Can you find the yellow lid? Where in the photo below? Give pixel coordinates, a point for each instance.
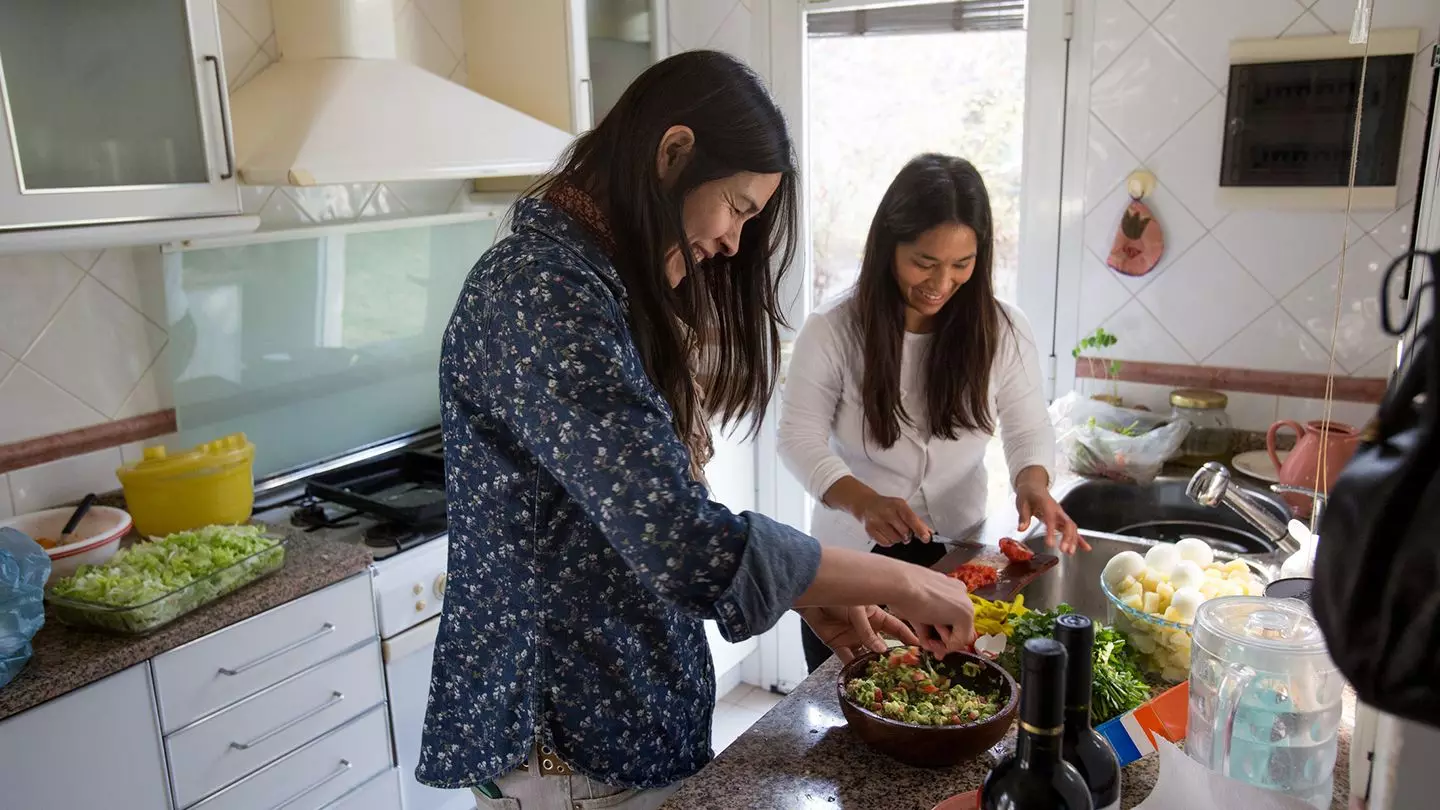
(201, 459)
(1198, 399)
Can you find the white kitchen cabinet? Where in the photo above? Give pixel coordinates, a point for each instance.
(564, 62)
(112, 112)
(107, 734)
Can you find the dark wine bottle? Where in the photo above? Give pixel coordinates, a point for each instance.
(1081, 745)
(1035, 777)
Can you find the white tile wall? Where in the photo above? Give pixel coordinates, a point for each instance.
(1248, 289)
(82, 337)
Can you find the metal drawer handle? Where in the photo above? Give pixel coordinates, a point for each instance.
(224, 118)
(335, 697)
(325, 630)
(316, 785)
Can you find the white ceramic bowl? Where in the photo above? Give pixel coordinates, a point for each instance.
(99, 535)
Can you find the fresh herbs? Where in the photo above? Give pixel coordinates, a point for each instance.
(1097, 342)
(1118, 684)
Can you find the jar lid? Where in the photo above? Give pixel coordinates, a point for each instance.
(1261, 632)
(201, 459)
(1198, 399)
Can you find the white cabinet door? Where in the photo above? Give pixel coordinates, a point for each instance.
(106, 734)
(112, 112)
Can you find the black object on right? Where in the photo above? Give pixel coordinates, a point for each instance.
(1081, 745)
(1035, 777)
(1374, 594)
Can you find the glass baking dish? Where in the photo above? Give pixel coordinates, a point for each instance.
(135, 620)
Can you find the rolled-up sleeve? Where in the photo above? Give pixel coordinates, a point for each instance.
(1025, 428)
(557, 366)
(813, 386)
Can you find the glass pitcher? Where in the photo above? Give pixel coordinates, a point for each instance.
(1264, 696)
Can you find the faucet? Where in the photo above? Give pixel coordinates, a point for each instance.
(1211, 486)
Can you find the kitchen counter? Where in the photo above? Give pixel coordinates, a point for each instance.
(67, 658)
(802, 755)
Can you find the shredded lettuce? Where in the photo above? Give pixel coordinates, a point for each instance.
(152, 583)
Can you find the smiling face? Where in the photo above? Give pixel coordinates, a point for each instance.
(930, 269)
(715, 211)
(714, 214)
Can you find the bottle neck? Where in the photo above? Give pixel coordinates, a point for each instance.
(1078, 675)
(1038, 748)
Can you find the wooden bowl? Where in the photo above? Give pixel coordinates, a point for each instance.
(934, 746)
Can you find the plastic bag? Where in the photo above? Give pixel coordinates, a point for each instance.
(1099, 439)
(24, 567)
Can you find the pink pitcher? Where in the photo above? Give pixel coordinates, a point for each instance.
(1301, 465)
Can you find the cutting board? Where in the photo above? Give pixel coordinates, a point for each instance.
(1014, 576)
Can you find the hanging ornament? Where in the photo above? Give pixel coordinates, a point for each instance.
(1139, 242)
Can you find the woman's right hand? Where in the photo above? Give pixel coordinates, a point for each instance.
(890, 520)
(940, 610)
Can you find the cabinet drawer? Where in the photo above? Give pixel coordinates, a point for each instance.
(380, 793)
(210, 673)
(259, 729)
(318, 774)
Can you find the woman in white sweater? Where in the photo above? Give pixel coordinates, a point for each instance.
(894, 392)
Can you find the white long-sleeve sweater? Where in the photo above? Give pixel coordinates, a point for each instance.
(823, 435)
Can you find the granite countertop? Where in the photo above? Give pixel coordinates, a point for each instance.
(67, 658)
(802, 754)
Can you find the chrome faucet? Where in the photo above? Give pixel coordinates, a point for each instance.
(1211, 486)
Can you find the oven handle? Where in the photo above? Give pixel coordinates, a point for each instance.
(413, 640)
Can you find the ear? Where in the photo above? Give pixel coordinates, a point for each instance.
(675, 149)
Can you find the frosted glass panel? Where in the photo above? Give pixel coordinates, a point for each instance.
(314, 347)
(101, 94)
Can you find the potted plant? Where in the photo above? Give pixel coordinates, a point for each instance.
(1096, 343)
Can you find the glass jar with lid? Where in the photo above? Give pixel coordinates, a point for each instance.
(1210, 436)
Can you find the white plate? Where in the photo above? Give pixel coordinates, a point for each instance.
(1257, 464)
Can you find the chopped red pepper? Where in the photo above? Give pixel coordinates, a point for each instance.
(1015, 551)
(929, 688)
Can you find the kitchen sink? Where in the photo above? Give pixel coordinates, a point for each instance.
(1162, 511)
(1115, 517)
(1076, 580)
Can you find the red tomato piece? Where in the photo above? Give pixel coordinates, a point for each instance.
(1015, 551)
(976, 576)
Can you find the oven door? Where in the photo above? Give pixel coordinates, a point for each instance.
(407, 676)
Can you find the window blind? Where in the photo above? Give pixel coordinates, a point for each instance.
(919, 18)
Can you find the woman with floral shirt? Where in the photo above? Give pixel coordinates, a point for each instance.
(571, 668)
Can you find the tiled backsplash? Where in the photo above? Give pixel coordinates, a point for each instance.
(1241, 289)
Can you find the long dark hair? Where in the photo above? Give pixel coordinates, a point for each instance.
(731, 304)
(931, 190)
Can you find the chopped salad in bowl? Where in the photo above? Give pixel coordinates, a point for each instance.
(927, 712)
(910, 686)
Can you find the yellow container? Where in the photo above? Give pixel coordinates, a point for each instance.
(211, 483)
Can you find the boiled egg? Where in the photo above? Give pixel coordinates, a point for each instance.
(1162, 558)
(1122, 565)
(1195, 550)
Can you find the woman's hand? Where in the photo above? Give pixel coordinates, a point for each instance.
(940, 609)
(852, 630)
(886, 520)
(1033, 500)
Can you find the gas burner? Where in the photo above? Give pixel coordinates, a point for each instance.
(312, 515)
(390, 535)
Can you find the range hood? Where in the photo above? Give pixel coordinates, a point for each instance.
(338, 107)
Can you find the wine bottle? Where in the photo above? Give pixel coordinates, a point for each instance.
(1035, 777)
(1081, 745)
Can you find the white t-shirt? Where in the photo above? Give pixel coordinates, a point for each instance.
(823, 437)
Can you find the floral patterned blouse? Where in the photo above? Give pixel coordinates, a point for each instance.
(583, 556)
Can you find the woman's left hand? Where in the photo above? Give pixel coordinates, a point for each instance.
(850, 631)
(1033, 500)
